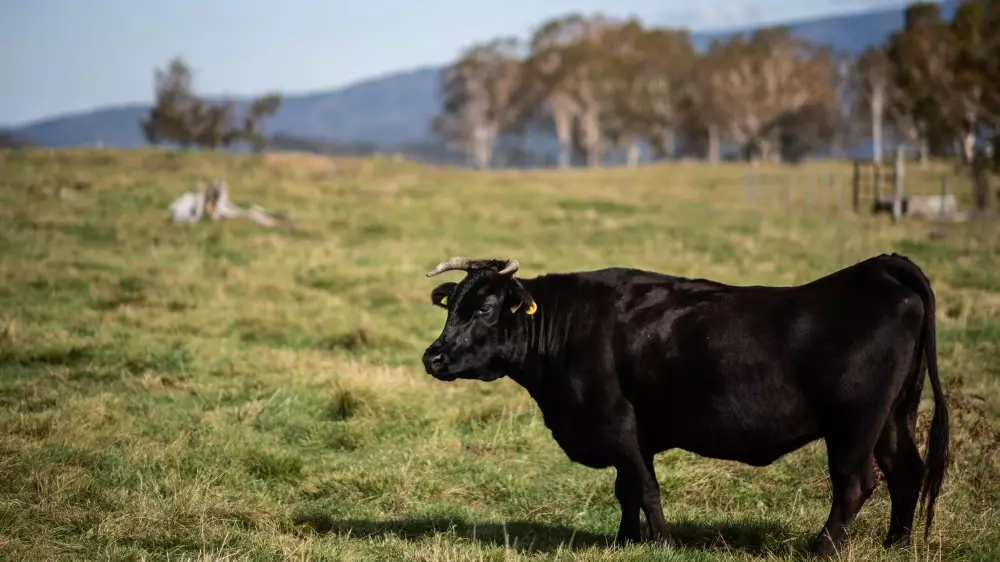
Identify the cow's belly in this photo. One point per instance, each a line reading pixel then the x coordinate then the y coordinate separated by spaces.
pixel 742 429
pixel 584 441
pixel 757 448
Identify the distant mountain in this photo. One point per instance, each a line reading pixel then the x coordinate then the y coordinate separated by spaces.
pixel 396 109
pixel 851 33
pixel 386 110
pixel 113 126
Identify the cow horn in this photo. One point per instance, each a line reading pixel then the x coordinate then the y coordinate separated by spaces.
pixel 466 264
pixel 456 262
pixel 510 268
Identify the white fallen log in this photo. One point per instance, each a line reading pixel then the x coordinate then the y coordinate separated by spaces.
pixel 188 208
pixel 214 201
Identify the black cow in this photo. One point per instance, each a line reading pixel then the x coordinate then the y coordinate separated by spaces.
pixel 626 363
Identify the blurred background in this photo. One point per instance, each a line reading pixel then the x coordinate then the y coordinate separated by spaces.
pixel 517 84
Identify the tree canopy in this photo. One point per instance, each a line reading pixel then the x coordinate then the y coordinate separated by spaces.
pixel 601 85
pixel 178 115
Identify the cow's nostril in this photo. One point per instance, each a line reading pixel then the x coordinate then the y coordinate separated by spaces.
pixel 437 361
pixel 433 362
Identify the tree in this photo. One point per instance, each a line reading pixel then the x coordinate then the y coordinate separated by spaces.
pixel 170 116
pixel 485 94
pixel 845 122
pixel 260 108
pixel 947 77
pixel 623 71
pixel 803 131
pixel 871 80
pixel 705 115
pixel 976 44
pixel 922 56
pixel 180 116
pixel 571 57
pixel 754 81
pixel 975 30
pixel 648 79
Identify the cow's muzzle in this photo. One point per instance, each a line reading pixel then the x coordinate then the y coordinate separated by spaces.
pixel 435 364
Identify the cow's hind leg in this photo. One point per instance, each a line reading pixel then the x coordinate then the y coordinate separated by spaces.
pixel 899 459
pixel 852 475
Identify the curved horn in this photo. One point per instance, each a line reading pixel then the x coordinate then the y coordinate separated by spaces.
pixel 456 262
pixel 510 268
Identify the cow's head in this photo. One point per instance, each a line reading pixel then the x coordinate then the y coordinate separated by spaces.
pixel 480 334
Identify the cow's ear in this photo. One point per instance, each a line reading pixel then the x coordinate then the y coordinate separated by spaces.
pixel 520 300
pixel 441 293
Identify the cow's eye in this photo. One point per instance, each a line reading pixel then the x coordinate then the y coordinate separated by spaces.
pixel 486 308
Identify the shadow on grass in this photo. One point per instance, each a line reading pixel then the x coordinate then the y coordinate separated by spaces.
pixel 751 537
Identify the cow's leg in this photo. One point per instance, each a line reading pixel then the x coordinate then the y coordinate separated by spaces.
pixel 627 491
pixel 635 474
pixel 899 459
pixel 651 505
pixel 853 479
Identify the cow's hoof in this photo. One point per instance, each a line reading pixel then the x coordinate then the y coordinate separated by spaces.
pixel 822 546
pixel 896 540
pixel 623 540
pixel 663 542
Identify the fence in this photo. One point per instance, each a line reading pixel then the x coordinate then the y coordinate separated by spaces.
pixel 816 191
pixel 870 187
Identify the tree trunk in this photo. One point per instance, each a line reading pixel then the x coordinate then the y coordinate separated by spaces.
pixel 592 137
pixel 632 154
pixel 968 147
pixel 980 182
pixel 593 155
pixel 766 151
pixel 924 154
pixel 562 117
pixel 713 144
pixel 564 132
pixel 483 147
pixel 877 110
pixel 770 150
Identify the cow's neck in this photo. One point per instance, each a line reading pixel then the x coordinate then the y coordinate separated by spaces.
pixel 542 338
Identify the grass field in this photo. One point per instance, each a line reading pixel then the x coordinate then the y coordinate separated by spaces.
pixel 224 391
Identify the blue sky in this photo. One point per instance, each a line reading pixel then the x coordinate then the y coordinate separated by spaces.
pixel 61 56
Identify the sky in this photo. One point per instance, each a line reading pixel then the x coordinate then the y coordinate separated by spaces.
pixel 63 56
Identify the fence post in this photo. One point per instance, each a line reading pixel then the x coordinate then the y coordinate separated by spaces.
pixel 792 180
pixel 856 186
pixel 897 185
pixel 823 186
pixel 807 202
pixel 944 193
pixel 877 185
pixel 838 192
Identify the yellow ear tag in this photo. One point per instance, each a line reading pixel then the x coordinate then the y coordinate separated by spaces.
pixel 444 300
pixel 531 309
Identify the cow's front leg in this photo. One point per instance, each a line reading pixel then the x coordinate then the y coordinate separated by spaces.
pixel 636 487
pixel 628 492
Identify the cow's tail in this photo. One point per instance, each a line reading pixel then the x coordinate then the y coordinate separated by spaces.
pixel 937 440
